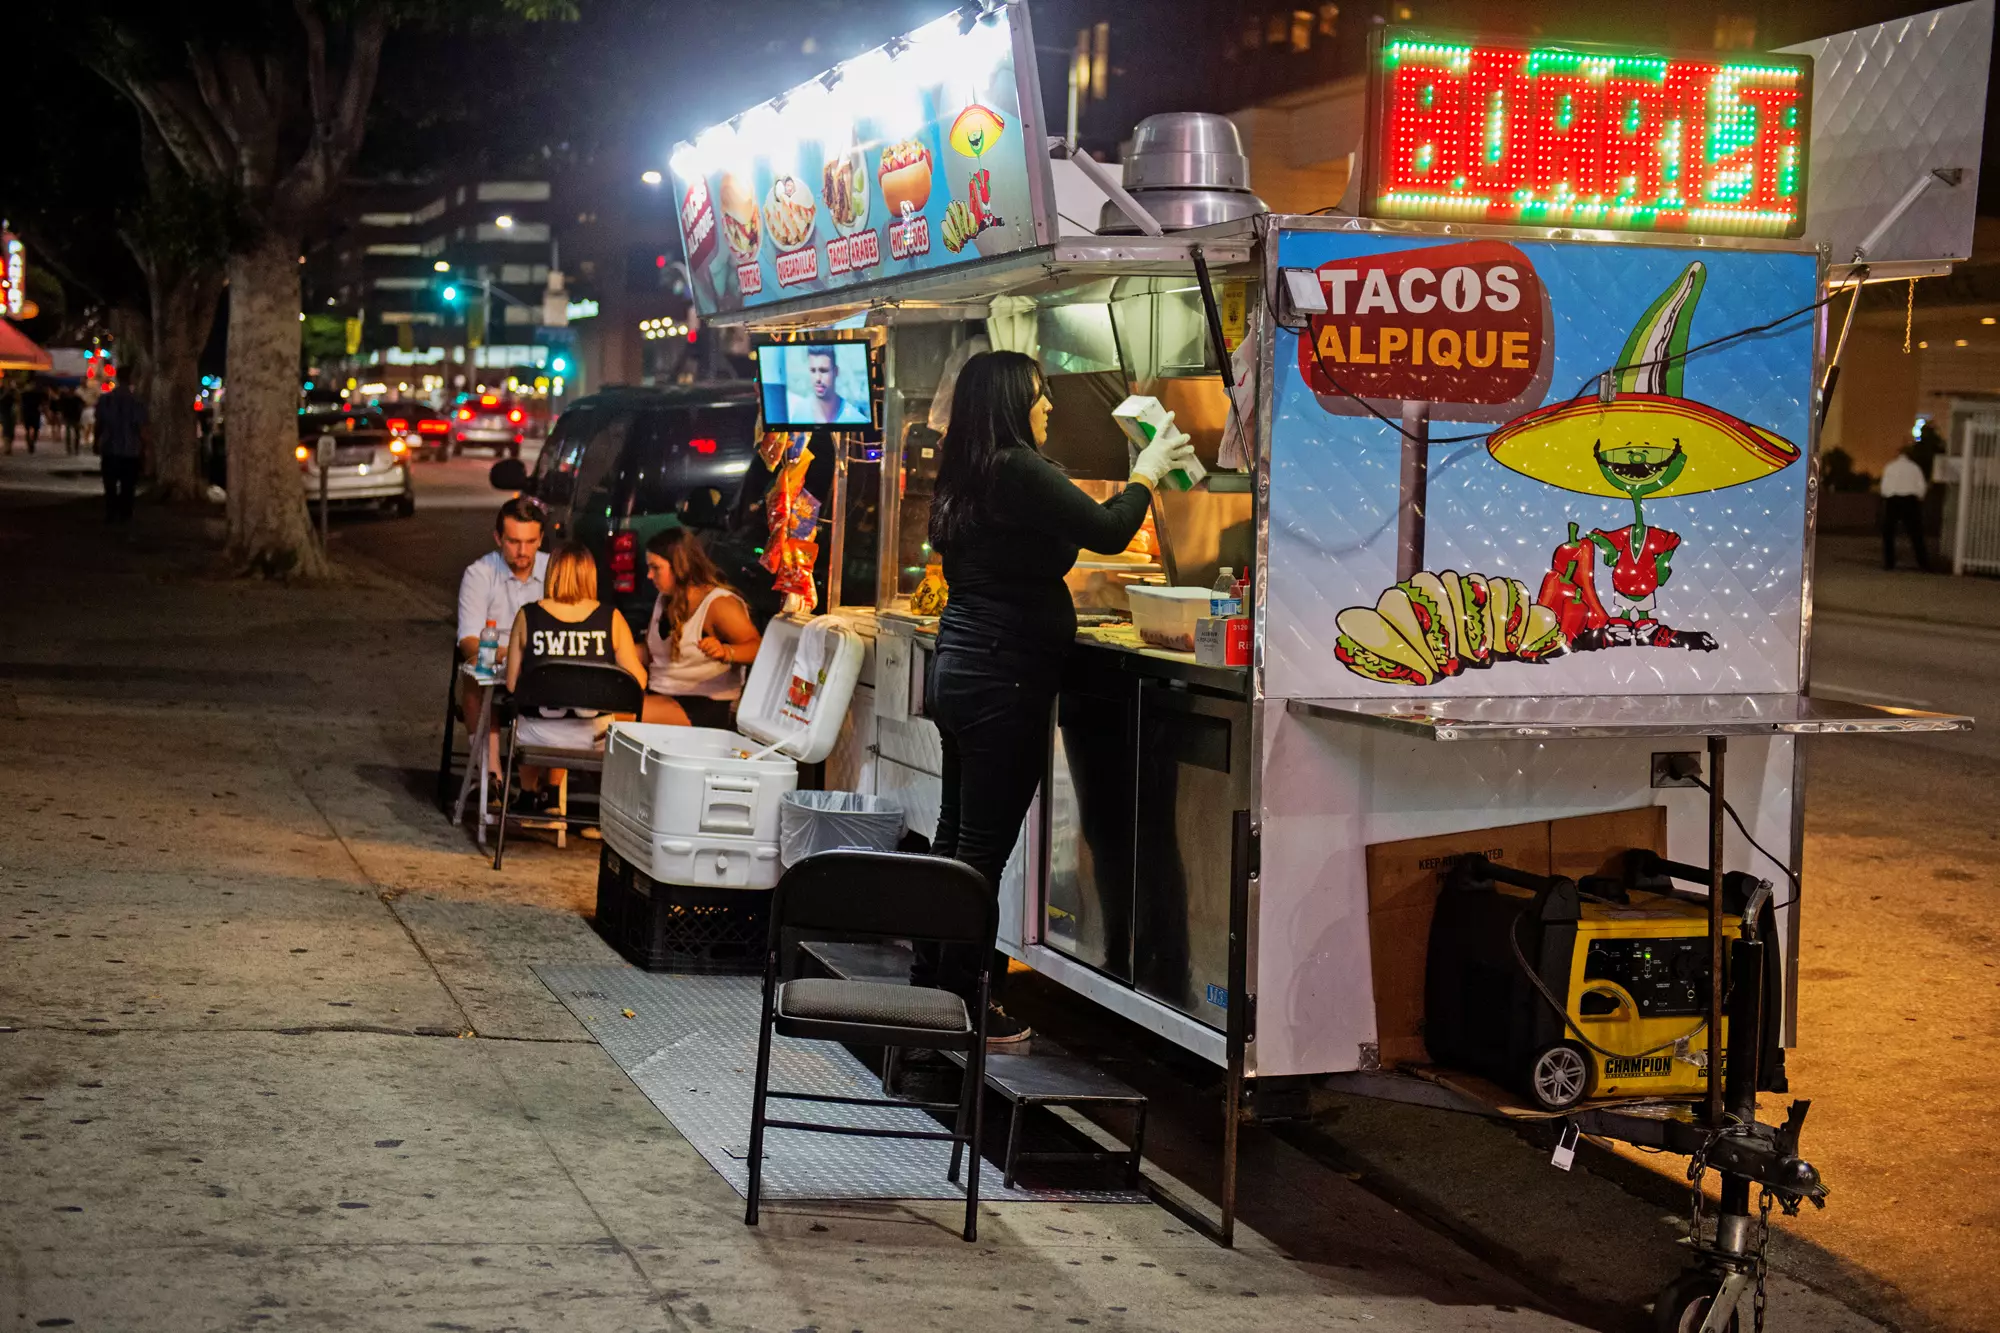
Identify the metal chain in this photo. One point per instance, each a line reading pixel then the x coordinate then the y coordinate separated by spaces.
pixel 1763 1242
pixel 1909 315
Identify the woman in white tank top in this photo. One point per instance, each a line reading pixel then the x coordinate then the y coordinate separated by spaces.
pixel 700 639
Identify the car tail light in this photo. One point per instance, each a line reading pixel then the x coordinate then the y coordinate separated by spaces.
pixel 465 414
pixel 398 426
pixel 625 562
pixel 433 427
pixel 702 446
pixel 516 415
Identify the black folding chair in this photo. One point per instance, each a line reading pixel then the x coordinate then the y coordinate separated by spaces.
pixel 574 685
pixel 872 896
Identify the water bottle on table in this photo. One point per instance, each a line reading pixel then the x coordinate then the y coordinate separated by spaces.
pixel 488 661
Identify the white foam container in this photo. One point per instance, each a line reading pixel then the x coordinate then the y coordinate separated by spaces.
pixel 1165 617
pixel 683 806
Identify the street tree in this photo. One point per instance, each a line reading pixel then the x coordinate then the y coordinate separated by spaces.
pixel 178 234
pixel 267 103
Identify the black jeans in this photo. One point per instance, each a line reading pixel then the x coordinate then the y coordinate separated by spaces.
pixel 993 711
pixel 1906 512
pixel 121 481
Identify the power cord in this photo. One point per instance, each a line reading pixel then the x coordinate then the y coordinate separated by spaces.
pixel 1738 821
pixel 1584 390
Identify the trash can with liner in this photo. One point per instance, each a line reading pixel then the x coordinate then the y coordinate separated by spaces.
pixel 824 821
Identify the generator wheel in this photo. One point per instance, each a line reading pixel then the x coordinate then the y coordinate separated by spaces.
pixel 1684 1303
pixel 1559 1076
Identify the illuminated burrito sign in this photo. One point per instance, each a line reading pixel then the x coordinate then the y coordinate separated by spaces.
pixel 1557 135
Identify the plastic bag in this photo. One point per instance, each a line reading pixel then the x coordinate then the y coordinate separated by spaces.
pixel 821 821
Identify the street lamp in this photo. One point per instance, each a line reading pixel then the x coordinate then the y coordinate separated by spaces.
pixel 441 267
pixel 651 177
pixel 504 221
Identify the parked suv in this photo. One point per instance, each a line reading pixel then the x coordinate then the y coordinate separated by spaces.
pixel 623 464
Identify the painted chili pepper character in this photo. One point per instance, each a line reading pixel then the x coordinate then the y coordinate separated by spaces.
pixel 1570 587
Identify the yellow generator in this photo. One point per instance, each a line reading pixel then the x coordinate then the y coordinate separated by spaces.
pixel 1562 992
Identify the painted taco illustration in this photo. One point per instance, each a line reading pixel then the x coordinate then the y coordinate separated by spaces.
pixel 1646 442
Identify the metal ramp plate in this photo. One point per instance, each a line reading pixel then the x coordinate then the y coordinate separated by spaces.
pixel 691 1047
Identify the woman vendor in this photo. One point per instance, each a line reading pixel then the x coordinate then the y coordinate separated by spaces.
pixel 1009 524
pixel 700 639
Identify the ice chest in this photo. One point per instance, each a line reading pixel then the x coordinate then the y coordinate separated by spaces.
pixel 682 804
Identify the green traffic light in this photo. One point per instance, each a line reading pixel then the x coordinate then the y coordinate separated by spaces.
pixel 451 293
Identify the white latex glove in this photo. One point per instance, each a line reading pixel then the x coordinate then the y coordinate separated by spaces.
pixel 1170 449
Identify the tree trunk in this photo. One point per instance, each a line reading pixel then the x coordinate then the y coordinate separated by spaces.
pixel 269 530
pixel 183 312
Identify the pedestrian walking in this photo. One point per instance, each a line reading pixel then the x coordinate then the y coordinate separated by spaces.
pixel 1903 489
pixel 123 436
pixel 69 407
pixel 33 399
pixel 10 407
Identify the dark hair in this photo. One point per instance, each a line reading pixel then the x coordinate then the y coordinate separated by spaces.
pixel 822 349
pixel 521 509
pixel 689 559
pixel 989 413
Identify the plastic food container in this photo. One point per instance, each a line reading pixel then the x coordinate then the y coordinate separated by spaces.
pixel 1165 617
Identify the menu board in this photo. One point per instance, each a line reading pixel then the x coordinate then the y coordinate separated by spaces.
pixel 912 157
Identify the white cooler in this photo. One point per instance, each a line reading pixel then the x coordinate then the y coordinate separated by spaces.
pixel 682 806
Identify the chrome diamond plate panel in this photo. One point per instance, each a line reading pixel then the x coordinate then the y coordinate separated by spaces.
pixel 1736 575
pixel 691 1047
pixel 1890 102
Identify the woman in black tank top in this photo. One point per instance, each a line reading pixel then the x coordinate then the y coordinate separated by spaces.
pixel 569 624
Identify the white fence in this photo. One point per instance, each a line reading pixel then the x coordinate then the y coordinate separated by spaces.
pixel 1974 511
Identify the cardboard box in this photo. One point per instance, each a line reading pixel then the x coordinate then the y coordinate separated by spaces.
pixel 1211 641
pixel 1403 880
pixel 1142 418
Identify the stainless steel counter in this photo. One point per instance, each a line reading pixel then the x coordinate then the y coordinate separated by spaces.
pixel 1477 719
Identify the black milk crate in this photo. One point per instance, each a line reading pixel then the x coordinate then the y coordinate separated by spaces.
pixel 680 927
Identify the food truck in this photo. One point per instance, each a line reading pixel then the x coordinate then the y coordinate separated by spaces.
pixel 1516 454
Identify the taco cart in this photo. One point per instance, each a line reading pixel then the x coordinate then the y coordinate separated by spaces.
pixel 1504 809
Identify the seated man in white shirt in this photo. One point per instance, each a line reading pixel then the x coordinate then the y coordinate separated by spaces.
pixel 495 587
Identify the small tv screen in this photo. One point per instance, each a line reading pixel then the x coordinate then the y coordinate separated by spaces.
pixel 815 384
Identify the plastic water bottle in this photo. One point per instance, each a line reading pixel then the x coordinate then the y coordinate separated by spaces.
pixel 1223 603
pixel 488 661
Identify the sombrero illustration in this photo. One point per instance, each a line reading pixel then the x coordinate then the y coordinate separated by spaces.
pixel 1649 441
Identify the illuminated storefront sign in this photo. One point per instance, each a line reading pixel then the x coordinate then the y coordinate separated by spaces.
pixel 915 156
pixel 1558 135
pixel 13 275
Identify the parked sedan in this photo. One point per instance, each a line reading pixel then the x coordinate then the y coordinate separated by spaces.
pixel 488 421
pixel 425 429
pixel 369 465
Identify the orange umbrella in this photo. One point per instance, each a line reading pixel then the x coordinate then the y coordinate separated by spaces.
pixel 18 351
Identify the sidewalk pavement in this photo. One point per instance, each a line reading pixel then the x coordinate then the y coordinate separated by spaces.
pixel 271 1054
pixel 1848 580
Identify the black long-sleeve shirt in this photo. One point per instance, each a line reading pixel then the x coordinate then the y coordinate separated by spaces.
pixel 1006 575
